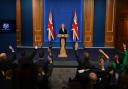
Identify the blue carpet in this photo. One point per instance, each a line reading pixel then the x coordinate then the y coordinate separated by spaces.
pixel 94 53
pixel 57 44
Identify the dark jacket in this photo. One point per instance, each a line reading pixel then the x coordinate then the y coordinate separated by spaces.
pixel 82 63
pixel 62 32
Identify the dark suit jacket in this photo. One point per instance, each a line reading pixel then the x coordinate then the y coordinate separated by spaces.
pixel 82 63
pixel 62 32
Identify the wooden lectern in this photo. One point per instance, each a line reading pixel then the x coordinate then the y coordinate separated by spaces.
pixel 62 52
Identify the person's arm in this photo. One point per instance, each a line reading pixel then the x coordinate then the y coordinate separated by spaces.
pixel 11 48
pixel 123 68
pixel 101 51
pixel 125 61
pixel 76 54
pixel 34 52
pixel 124 46
pixel 13 52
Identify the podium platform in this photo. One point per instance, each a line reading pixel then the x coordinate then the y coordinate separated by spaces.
pixel 62 52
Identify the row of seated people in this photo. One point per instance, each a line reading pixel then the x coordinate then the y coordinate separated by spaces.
pixel 24 72
pixel 110 73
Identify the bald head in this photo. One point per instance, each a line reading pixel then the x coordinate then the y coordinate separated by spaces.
pixel 3 56
pixel 93 76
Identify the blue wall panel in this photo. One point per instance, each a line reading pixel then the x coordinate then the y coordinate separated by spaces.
pixel 63 12
pixel 7 12
pixel 26 21
pixel 99 22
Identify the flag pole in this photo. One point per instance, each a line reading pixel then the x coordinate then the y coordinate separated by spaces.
pixel 50 44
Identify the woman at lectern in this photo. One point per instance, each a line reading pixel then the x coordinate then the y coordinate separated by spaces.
pixel 62 31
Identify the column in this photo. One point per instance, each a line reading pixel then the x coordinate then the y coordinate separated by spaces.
pixel 37 12
pixel 110 23
pixel 88 15
pixel 18 23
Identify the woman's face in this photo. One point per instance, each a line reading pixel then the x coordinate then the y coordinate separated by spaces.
pixel 62 25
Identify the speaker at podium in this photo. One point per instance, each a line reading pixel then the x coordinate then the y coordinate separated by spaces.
pixel 62 52
pixel 62 36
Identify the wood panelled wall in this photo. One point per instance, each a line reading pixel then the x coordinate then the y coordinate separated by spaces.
pixel 18 23
pixel 121 23
pixel 37 6
pixel 110 23
pixel 88 15
pixel 89 21
pixel 37 14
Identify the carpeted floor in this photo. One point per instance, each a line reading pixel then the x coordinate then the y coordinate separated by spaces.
pixel 60 77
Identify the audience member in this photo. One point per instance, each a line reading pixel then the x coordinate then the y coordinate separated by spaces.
pixel 27 70
pixel 26 59
pixel 123 80
pixel 125 60
pixel 35 74
pixel 6 63
pixel 84 74
pixel 44 69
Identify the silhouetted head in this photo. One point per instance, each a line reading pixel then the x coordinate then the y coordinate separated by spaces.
pixel 41 53
pixel 23 53
pixel 93 76
pixel 86 56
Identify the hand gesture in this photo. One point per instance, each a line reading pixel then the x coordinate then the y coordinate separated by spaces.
pixel 10 47
pixel 124 45
pixel 36 47
pixel 101 51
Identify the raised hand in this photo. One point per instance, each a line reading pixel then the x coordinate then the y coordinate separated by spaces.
pixel 101 51
pixel 124 46
pixel 36 47
pixel 11 48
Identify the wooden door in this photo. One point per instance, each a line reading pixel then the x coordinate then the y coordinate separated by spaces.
pixel 121 25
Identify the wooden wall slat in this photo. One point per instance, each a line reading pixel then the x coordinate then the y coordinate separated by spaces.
pixel 37 7
pixel 110 23
pixel 88 23
pixel 18 23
